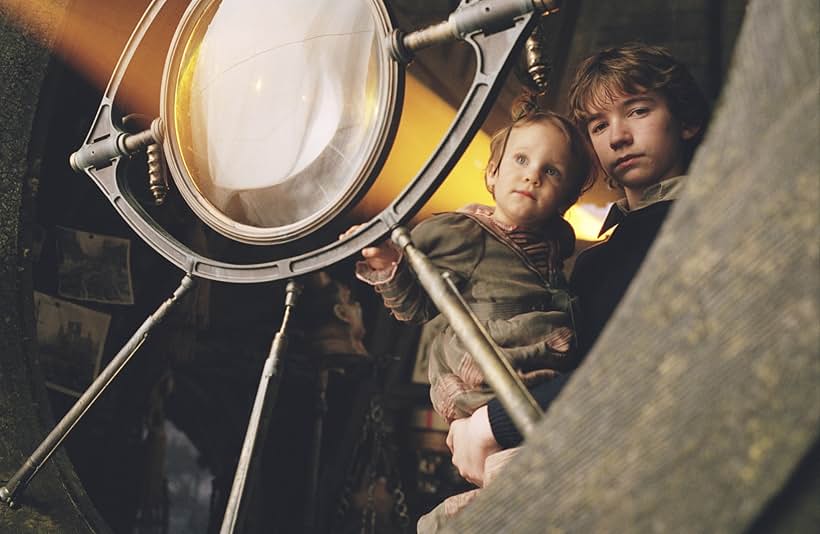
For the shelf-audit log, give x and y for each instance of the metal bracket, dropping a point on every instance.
(495, 54)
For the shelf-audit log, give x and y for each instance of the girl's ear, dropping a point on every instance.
(490, 175)
(341, 313)
(689, 132)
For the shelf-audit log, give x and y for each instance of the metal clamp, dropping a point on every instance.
(100, 153)
(489, 16)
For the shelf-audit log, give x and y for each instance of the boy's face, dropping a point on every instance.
(638, 141)
(532, 178)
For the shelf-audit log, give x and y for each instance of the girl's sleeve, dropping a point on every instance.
(454, 243)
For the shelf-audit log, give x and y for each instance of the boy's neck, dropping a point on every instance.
(633, 196)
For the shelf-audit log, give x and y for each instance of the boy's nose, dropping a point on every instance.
(619, 136)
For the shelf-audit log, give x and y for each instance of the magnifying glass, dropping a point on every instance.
(273, 129)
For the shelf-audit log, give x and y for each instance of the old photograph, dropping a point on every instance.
(94, 267)
(71, 339)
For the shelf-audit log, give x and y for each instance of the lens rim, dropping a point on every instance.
(390, 87)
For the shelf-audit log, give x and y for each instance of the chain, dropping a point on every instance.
(375, 433)
(400, 506)
(369, 511)
(375, 419)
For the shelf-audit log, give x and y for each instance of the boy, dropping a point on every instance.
(644, 115)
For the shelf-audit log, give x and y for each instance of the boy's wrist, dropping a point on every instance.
(501, 426)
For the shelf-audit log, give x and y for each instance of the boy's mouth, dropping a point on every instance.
(625, 161)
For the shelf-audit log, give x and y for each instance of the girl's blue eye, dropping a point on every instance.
(520, 159)
(553, 173)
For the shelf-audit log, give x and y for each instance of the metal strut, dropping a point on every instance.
(486, 15)
(17, 484)
(513, 395)
(266, 393)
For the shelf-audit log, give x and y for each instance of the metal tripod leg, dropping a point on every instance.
(235, 512)
(512, 393)
(17, 484)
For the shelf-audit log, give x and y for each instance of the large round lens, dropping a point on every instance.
(277, 112)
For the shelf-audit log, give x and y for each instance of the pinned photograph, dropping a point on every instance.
(94, 267)
(71, 340)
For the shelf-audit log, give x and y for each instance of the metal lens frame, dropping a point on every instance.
(102, 152)
(191, 30)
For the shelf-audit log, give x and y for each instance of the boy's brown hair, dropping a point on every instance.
(525, 110)
(636, 68)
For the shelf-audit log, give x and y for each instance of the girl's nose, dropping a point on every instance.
(532, 178)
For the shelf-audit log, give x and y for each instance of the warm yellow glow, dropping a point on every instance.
(90, 36)
(586, 224)
(424, 120)
(92, 46)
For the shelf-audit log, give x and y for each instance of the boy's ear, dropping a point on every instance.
(689, 132)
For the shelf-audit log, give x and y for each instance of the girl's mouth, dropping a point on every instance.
(526, 194)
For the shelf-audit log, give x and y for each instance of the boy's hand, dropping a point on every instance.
(471, 440)
(379, 257)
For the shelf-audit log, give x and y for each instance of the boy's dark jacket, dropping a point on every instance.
(600, 277)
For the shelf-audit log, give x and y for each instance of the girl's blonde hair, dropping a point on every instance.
(525, 111)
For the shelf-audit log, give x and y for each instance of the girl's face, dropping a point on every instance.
(533, 177)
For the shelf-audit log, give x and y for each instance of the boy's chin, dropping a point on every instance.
(635, 180)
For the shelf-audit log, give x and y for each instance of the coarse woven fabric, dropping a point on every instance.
(700, 401)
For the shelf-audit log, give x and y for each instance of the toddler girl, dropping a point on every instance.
(507, 261)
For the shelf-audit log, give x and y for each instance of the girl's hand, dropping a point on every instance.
(379, 257)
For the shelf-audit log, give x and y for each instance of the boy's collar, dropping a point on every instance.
(668, 189)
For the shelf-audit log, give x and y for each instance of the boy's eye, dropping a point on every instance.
(639, 112)
(597, 127)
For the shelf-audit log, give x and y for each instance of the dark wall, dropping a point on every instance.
(56, 501)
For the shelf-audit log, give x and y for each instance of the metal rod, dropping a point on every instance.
(513, 395)
(316, 450)
(484, 15)
(101, 153)
(17, 484)
(266, 393)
